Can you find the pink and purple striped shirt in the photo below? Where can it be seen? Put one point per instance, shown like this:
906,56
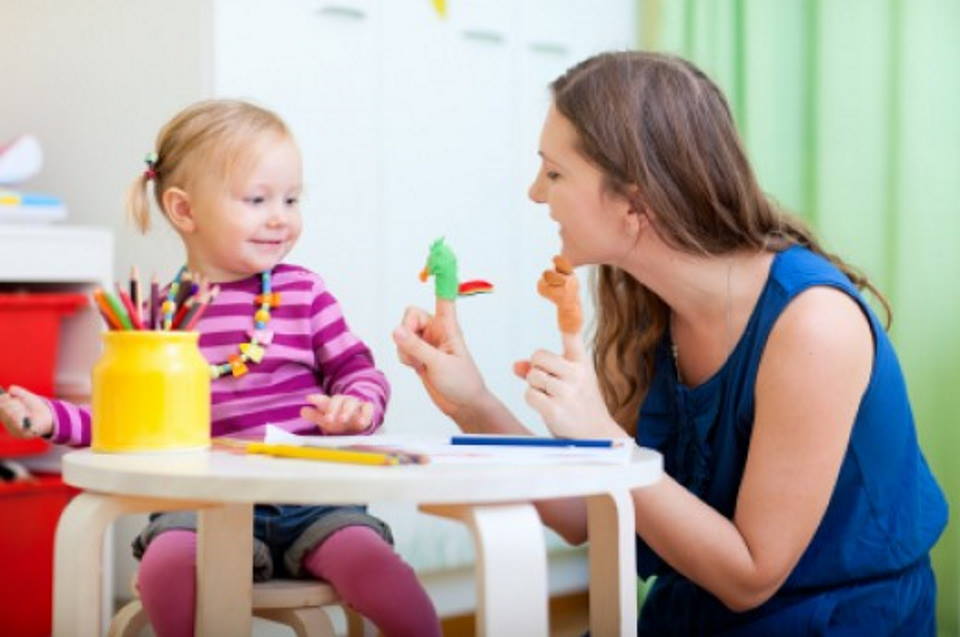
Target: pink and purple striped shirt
312,351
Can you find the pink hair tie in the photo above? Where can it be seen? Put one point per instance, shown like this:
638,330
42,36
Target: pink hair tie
151,161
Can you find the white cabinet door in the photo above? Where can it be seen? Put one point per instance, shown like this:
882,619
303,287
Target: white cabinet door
448,162
317,65
415,126
546,48
554,36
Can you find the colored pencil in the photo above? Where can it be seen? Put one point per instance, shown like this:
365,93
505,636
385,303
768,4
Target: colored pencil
529,441
323,453
129,307
154,301
105,310
201,307
182,312
188,317
184,290
135,296
118,311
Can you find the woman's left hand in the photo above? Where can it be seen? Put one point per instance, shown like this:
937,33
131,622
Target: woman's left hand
565,392
338,414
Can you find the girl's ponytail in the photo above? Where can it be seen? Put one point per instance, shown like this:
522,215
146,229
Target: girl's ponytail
138,203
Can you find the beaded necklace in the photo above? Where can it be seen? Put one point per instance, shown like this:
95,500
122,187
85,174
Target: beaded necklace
250,352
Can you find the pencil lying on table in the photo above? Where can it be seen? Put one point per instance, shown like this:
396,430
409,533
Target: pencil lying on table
321,453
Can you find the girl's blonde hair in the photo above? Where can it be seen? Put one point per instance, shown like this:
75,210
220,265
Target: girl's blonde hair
656,124
210,136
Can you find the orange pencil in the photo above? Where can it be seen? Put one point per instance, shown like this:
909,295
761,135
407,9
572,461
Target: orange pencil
106,311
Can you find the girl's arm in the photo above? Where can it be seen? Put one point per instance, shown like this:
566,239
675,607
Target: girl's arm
811,379
27,415
71,423
345,363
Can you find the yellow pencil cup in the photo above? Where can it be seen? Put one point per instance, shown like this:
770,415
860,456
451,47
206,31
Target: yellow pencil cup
151,392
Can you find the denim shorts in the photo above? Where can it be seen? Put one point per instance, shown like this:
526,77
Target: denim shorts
282,533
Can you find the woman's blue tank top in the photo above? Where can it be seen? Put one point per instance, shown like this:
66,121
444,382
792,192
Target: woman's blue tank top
866,568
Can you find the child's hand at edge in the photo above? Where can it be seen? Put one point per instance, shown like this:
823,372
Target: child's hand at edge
24,414
338,414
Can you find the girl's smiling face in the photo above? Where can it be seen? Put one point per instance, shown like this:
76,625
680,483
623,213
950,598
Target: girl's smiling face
594,223
248,222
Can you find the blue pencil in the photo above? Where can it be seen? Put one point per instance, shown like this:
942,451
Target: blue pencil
530,441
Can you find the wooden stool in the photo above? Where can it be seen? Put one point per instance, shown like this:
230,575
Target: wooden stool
296,603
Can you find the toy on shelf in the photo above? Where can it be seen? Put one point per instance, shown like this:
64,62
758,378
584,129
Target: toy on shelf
442,265
561,287
20,160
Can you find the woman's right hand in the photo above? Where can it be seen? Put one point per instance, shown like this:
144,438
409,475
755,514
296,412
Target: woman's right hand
433,346
24,414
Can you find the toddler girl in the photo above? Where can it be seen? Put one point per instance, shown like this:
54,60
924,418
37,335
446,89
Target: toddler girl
227,176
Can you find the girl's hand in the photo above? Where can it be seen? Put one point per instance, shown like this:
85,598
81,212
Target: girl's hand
338,414
24,414
434,347
565,392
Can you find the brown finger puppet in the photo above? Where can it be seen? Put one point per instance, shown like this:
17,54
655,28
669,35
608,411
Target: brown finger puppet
560,286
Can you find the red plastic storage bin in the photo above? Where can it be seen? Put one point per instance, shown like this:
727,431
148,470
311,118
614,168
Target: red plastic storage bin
30,333
29,511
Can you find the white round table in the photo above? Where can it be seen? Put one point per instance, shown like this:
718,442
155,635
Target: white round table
493,500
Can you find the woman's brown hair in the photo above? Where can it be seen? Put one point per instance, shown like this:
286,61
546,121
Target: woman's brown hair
657,122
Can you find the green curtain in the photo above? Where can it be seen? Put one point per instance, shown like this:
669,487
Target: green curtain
850,110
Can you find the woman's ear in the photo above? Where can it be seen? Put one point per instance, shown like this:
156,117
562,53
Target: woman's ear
632,223
636,219
177,205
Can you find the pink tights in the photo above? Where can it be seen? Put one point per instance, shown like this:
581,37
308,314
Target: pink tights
363,568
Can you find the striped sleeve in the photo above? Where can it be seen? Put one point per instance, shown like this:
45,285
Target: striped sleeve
346,364
71,423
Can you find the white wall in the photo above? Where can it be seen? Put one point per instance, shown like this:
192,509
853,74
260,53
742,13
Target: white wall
95,81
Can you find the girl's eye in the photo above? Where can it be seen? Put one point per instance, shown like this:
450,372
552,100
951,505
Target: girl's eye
292,201
552,175
255,200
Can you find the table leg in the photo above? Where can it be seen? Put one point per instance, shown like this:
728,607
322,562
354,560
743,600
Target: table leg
613,574
512,593
224,570
78,557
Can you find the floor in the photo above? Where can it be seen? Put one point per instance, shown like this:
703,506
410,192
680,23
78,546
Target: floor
569,617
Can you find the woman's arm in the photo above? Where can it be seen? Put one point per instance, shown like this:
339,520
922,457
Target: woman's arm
811,379
434,347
